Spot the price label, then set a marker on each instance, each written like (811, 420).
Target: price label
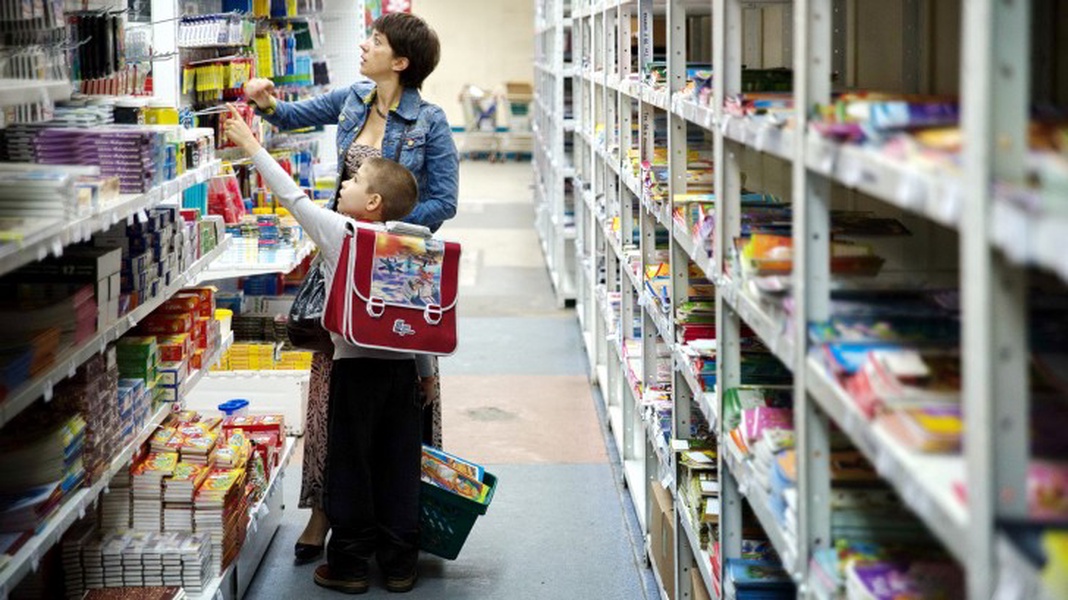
(725, 125)
(826, 155)
(710, 119)
(47, 392)
(72, 371)
(57, 247)
(42, 252)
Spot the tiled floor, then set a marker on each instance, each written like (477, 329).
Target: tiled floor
(517, 399)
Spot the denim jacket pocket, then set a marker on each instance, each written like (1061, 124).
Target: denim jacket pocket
(413, 151)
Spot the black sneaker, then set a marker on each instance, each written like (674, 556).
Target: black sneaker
(348, 584)
(402, 583)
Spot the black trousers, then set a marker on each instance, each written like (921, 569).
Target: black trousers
(373, 465)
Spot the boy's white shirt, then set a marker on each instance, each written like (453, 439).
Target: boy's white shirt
(327, 229)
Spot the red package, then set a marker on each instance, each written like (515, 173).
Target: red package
(159, 324)
(207, 300)
(175, 348)
(183, 302)
(197, 360)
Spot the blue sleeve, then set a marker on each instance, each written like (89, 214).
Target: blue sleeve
(321, 110)
(437, 202)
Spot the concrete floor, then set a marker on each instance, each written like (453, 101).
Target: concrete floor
(516, 399)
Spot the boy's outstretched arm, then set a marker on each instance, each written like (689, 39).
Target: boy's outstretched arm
(325, 227)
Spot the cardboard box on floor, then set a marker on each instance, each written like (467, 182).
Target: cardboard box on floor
(662, 535)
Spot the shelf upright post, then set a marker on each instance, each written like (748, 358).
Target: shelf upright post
(815, 58)
(725, 51)
(682, 396)
(995, 75)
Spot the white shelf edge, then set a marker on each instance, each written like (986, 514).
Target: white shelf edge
(924, 481)
(51, 241)
(16, 92)
(767, 327)
(66, 366)
(758, 501)
(701, 556)
(230, 271)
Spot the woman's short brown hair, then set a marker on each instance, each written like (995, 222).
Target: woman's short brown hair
(410, 37)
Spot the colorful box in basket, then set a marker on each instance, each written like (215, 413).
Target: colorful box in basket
(454, 474)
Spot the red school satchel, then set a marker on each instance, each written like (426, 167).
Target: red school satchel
(395, 289)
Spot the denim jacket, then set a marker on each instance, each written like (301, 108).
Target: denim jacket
(418, 128)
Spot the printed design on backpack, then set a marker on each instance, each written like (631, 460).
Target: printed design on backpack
(407, 270)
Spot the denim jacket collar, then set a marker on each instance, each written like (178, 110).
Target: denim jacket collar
(407, 108)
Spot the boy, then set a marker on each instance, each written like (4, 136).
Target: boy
(374, 443)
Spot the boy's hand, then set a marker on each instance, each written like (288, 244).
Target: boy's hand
(429, 386)
(238, 132)
(260, 91)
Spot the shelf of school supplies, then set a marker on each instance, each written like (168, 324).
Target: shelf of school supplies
(705, 400)
(1028, 228)
(687, 109)
(232, 270)
(931, 191)
(1017, 576)
(51, 240)
(924, 481)
(760, 136)
(16, 92)
(701, 557)
(758, 501)
(657, 315)
(28, 557)
(690, 247)
(67, 364)
(772, 330)
(263, 524)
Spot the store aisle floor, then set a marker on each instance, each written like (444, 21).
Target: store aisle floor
(517, 399)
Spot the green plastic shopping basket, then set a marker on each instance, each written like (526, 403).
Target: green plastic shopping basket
(446, 518)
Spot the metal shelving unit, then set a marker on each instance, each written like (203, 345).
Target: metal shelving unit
(556, 197)
(28, 557)
(986, 215)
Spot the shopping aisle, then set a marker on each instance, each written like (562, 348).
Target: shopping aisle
(517, 399)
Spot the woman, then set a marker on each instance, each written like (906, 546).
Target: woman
(383, 116)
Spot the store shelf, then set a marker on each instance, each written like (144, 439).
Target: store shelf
(701, 557)
(687, 109)
(931, 192)
(52, 240)
(705, 400)
(772, 331)
(28, 557)
(66, 365)
(657, 315)
(15, 92)
(1029, 229)
(194, 377)
(261, 374)
(634, 475)
(231, 271)
(758, 500)
(258, 527)
(690, 247)
(659, 98)
(762, 137)
(1018, 577)
(924, 481)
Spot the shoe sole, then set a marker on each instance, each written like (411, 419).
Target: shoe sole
(303, 560)
(400, 586)
(347, 587)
